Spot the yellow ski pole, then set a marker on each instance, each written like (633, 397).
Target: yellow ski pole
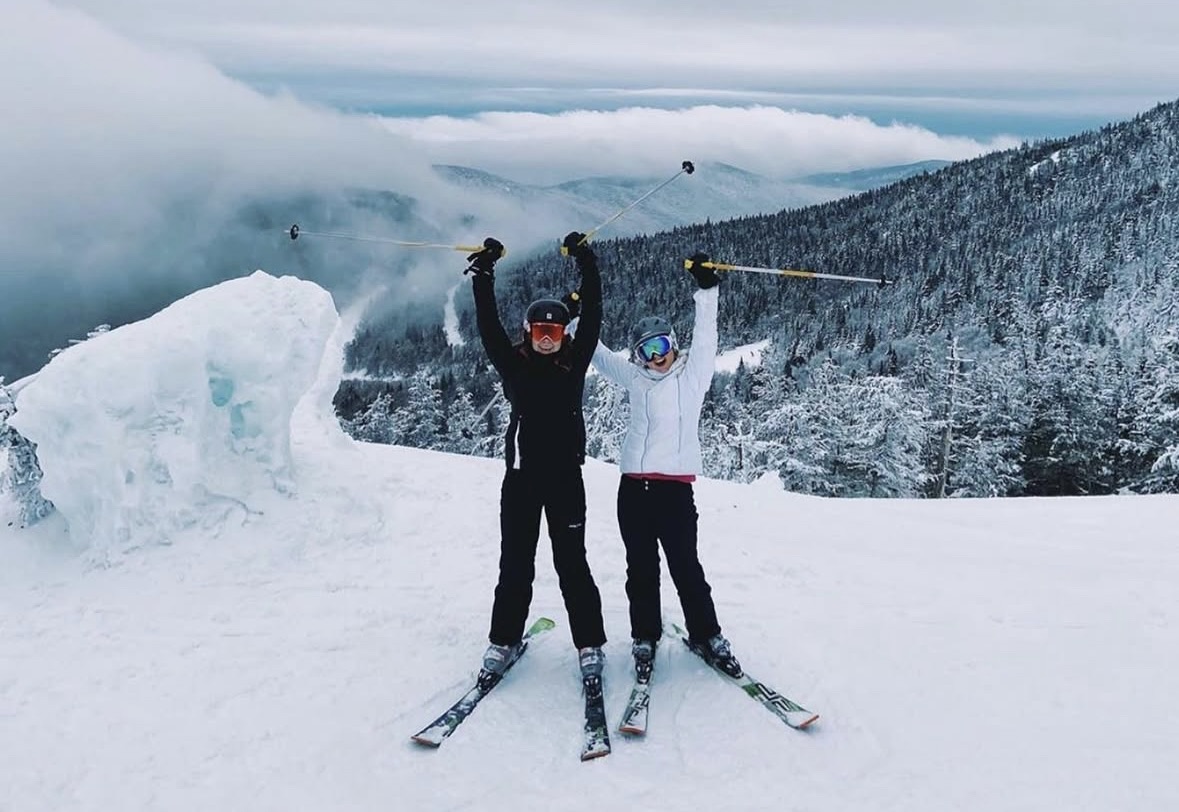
(295, 232)
(721, 266)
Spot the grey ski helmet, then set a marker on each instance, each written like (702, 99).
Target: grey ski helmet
(552, 311)
(646, 328)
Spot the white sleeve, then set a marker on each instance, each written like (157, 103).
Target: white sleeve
(614, 368)
(702, 354)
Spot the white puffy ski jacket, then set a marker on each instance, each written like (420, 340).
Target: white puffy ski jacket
(662, 436)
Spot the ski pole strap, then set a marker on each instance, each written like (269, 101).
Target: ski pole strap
(295, 232)
(721, 266)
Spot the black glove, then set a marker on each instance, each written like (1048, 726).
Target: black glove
(572, 302)
(705, 277)
(483, 261)
(575, 244)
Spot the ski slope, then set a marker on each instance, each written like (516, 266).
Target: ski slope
(967, 655)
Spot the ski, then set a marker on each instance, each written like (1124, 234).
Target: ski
(785, 709)
(437, 731)
(597, 737)
(634, 716)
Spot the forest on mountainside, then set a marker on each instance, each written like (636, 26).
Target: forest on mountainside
(1027, 344)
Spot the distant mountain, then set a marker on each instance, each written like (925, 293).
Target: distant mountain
(217, 243)
(861, 180)
(715, 191)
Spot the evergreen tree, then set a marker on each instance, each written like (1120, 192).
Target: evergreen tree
(1072, 429)
(381, 422)
(423, 409)
(464, 428)
(607, 413)
(993, 418)
(795, 448)
(1162, 417)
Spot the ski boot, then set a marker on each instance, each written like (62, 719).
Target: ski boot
(643, 652)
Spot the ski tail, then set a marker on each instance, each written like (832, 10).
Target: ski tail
(597, 738)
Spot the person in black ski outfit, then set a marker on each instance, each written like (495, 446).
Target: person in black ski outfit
(543, 380)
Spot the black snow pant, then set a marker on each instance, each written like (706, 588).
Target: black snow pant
(651, 511)
(561, 494)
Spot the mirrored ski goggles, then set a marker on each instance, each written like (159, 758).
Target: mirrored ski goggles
(654, 347)
(546, 329)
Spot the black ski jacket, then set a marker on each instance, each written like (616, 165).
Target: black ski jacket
(547, 428)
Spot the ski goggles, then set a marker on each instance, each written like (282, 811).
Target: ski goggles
(653, 347)
(554, 332)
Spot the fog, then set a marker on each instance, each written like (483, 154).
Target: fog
(135, 170)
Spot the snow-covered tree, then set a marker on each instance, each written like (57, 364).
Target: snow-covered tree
(1161, 417)
(464, 428)
(607, 412)
(424, 412)
(1072, 433)
(992, 420)
(381, 422)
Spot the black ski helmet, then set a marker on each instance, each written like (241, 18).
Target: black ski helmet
(552, 311)
(646, 328)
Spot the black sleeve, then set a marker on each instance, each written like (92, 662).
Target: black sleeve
(589, 325)
(491, 331)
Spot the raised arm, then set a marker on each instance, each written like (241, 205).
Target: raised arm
(614, 369)
(702, 356)
(491, 331)
(589, 324)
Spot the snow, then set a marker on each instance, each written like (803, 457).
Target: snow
(750, 354)
(964, 654)
(176, 420)
(450, 325)
(1052, 159)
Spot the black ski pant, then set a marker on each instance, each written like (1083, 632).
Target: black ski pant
(651, 511)
(560, 494)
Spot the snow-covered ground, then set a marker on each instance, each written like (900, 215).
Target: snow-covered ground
(748, 354)
(964, 655)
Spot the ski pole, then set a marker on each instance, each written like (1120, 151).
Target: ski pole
(686, 168)
(295, 232)
(721, 266)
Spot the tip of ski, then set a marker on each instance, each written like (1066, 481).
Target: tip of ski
(801, 721)
(427, 741)
(790, 712)
(598, 752)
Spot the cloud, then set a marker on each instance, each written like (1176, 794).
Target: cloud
(135, 167)
(97, 123)
(644, 141)
(747, 44)
(123, 165)
(109, 143)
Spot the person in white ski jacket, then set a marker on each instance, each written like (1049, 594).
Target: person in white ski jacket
(660, 460)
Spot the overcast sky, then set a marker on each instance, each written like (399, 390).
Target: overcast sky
(549, 92)
(120, 116)
(1017, 61)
